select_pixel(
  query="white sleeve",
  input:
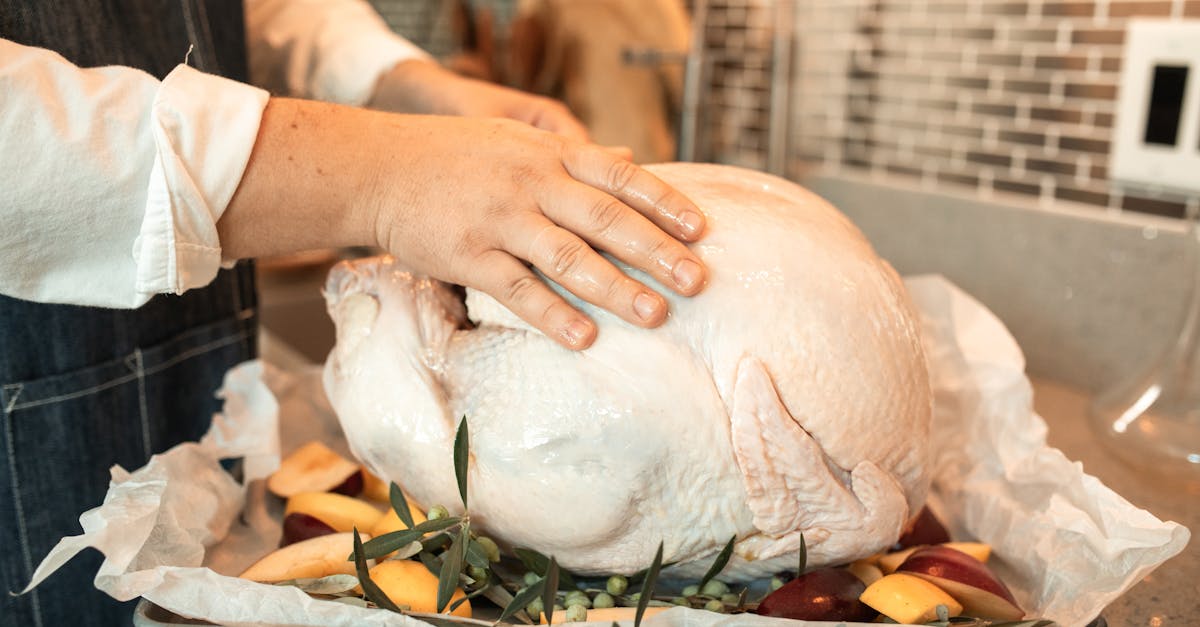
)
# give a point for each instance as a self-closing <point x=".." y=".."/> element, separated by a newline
<point x="111" y="183"/>
<point x="331" y="50"/>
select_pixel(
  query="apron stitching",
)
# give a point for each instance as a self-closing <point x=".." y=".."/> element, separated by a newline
<point x="145" y="415"/>
<point x="12" y="402"/>
<point x="225" y="341"/>
<point x="22" y="532"/>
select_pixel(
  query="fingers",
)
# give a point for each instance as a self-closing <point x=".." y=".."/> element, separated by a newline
<point x="553" y="116"/>
<point x="569" y="261"/>
<point x="624" y="153"/>
<point x="525" y="294"/>
<point x="610" y="225"/>
<point x="656" y="200"/>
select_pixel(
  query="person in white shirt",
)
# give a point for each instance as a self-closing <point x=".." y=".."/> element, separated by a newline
<point x="129" y="179"/>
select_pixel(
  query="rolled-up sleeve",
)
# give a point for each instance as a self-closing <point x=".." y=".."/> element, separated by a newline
<point x="111" y="182"/>
<point x="331" y="50"/>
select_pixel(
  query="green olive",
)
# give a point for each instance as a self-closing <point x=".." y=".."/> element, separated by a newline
<point x="714" y="588"/>
<point x="489" y="548"/>
<point x="576" y="614"/>
<point x="436" y="512"/>
<point x="691" y="591"/>
<point x="603" y="600"/>
<point x="715" y="606"/>
<point x="616" y="585"/>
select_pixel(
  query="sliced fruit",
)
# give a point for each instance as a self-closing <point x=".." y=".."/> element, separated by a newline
<point x="866" y="571"/>
<point x="313" y="467"/>
<point x="825" y="594"/>
<point x="339" y="511"/>
<point x="891" y="561"/>
<point x="977" y="550"/>
<point x="352" y="486"/>
<point x="298" y="527"/>
<point x="968" y="580"/>
<point x="606" y="615"/>
<point x="374" y="488"/>
<point x="924" y="529"/>
<point x="317" y="557"/>
<point x="409" y="583"/>
<point x="908" y="599"/>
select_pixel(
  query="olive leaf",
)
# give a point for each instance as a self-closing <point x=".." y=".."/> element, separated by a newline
<point x="719" y="564"/>
<point x="332" y="584"/>
<point x="462" y="452"/>
<point x="432" y="562"/>
<point x="476" y="556"/>
<point x="647" y="586"/>
<point x="370" y="590"/>
<point x="388" y="542"/>
<point x="522" y="600"/>
<point x="549" y="589"/>
<point x="537" y="563"/>
<point x="452" y="565"/>
<point x="400" y="505"/>
<point x="803" y="556"/>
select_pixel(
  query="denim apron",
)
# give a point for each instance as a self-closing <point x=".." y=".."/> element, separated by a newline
<point x="84" y="388"/>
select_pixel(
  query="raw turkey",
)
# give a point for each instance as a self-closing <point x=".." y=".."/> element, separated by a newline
<point x="790" y="397"/>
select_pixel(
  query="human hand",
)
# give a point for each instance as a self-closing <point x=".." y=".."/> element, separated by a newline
<point x="481" y="199"/>
<point x="470" y="201"/>
<point x="417" y="86"/>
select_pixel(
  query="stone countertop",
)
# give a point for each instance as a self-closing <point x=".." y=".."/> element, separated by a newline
<point x="1171" y="594"/>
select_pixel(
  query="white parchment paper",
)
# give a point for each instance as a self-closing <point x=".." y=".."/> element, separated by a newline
<point x="178" y="530"/>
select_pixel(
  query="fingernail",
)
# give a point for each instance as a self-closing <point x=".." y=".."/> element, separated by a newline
<point x="645" y="306"/>
<point x="577" y="332"/>
<point x="687" y="274"/>
<point x="692" y="222"/>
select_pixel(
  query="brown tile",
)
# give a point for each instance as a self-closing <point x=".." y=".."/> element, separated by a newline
<point x="1054" y="114"/>
<point x="1061" y="62"/>
<point x="1099" y="172"/>
<point x="903" y="170"/>
<point x="1089" y="197"/>
<point x="958" y="178"/>
<point x="1033" y="34"/>
<point x="1020" y="137"/>
<point x="1139" y="9"/>
<point x="1098" y="36"/>
<point x="1110" y="64"/>
<point x="1074" y="9"/>
<point x="1096" y="91"/>
<point x="1103" y="120"/>
<point x="1045" y="166"/>
<point x="1000" y="110"/>
<point x="967" y="82"/>
<point x="1008" y="185"/>
<point x="1022" y="86"/>
<point x="1191" y="8"/>
<point x="988" y="158"/>
<point x="1001" y="8"/>
<point x="963" y="131"/>
<point x="1082" y="144"/>
<point x="997" y="58"/>
<point x="1156" y="206"/>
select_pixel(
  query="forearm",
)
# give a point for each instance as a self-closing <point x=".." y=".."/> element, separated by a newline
<point x="307" y="181"/>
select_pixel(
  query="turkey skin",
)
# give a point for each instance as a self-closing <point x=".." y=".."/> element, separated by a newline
<point x="790" y="397"/>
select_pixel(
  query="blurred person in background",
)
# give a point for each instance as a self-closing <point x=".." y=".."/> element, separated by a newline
<point x="129" y="191"/>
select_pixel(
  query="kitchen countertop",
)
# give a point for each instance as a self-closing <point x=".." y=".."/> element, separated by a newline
<point x="1171" y="594"/>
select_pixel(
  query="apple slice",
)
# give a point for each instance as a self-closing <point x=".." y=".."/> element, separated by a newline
<point x="977" y="550"/>
<point x="891" y="561"/>
<point x="298" y="527"/>
<point x="924" y="529"/>
<point x="313" y="467"/>
<point x="374" y="488"/>
<point x="908" y="599"/>
<point x="981" y="593"/>
<point x="339" y="511"/>
<point x="316" y="557"/>
<point x="866" y="571"/>
<point x="825" y="594"/>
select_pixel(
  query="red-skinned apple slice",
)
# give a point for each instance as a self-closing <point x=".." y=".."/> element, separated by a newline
<point x="352" y="486"/>
<point x="298" y="527"/>
<point x="825" y="594"/>
<point x="314" y="467"/>
<point x="924" y="529"/>
<point x="965" y="578"/>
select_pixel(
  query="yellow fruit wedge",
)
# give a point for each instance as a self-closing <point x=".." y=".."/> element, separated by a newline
<point x="341" y="512"/>
<point x="889" y="562"/>
<point x="605" y="615"/>
<point x="867" y="572"/>
<point x="316" y="557"/>
<point x="390" y="522"/>
<point x="313" y="467"/>
<point x="977" y="550"/>
<point x="409" y="583"/>
<point x="908" y="599"/>
<point x="374" y="488"/>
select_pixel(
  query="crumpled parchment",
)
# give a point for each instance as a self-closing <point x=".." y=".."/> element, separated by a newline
<point x="178" y="530"/>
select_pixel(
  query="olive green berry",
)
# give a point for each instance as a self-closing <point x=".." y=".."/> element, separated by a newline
<point x="534" y="608"/>
<point x="477" y="573"/>
<point x="681" y="601"/>
<point x="531" y="578"/>
<point x="603" y="600"/>
<point x="576" y="613"/>
<point x="577" y="597"/>
<point x="436" y="512"/>
<point x="731" y="599"/>
<point x="714" y="588"/>
<point x="691" y="591"/>
<point x="635" y="597"/>
<point x="489" y="548"/>
<point x="616" y="585"/>
<point x="715" y="606"/>
<point x="776" y="583"/>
